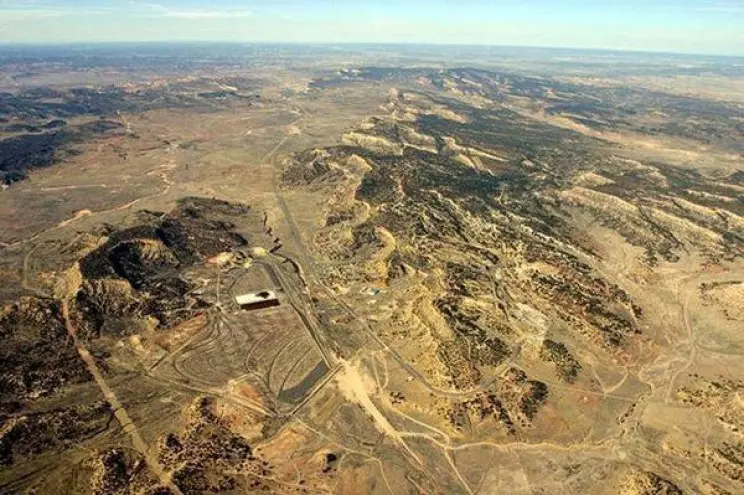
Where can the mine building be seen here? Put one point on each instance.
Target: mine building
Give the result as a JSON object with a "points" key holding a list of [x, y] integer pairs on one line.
{"points": [[257, 300]]}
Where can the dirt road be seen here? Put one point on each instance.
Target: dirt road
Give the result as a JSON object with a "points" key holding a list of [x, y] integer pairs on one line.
{"points": [[119, 411]]}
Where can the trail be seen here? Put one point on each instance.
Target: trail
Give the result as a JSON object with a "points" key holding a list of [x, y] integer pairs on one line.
{"points": [[360, 453], [690, 337], [607, 391], [24, 278], [459, 476], [351, 384], [119, 411], [510, 447], [69, 188], [86, 213], [158, 171]]}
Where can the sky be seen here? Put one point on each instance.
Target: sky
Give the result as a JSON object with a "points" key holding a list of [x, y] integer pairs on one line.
{"points": [[684, 26]]}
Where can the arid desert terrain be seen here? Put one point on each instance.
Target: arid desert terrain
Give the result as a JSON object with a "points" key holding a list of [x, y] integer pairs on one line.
{"points": [[278, 269]]}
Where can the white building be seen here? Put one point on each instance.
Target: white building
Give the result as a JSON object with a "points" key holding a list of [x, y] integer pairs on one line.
{"points": [[257, 300]]}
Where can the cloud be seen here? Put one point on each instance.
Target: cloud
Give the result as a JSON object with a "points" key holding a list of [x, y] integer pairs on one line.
{"points": [[20, 10], [206, 14], [23, 15], [23, 10], [164, 11], [730, 7], [26, 11]]}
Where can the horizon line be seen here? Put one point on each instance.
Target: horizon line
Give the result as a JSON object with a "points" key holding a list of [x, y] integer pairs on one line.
{"points": [[358, 43]]}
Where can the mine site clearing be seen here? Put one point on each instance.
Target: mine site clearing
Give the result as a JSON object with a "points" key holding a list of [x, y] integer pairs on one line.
{"points": [[274, 344]]}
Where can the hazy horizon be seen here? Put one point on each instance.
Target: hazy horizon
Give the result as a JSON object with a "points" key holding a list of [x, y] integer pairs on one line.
{"points": [[555, 50], [680, 26]]}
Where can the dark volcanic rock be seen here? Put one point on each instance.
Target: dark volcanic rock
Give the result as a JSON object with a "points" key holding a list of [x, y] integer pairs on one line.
{"points": [[151, 257]]}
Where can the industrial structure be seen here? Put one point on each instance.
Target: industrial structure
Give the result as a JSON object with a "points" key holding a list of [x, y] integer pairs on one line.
{"points": [[257, 300]]}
